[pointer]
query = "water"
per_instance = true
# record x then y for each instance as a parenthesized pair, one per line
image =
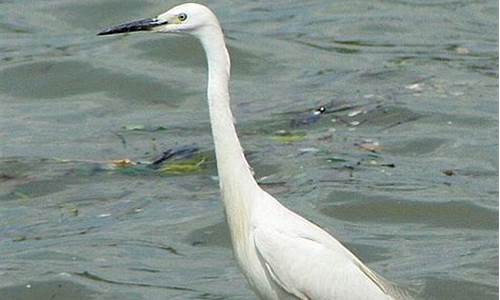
(414, 81)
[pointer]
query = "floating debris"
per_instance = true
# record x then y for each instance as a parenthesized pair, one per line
(343, 107)
(308, 150)
(312, 118)
(122, 163)
(314, 115)
(449, 172)
(134, 127)
(184, 167)
(335, 159)
(462, 50)
(182, 152)
(72, 210)
(139, 167)
(286, 137)
(140, 127)
(369, 145)
(355, 113)
(416, 87)
(320, 110)
(388, 165)
(374, 162)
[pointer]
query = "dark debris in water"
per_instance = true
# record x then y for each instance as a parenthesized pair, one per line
(370, 111)
(6, 177)
(449, 172)
(143, 243)
(180, 160)
(140, 127)
(50, 236)
(336, 159)
(353, 163)
(94, 277)
(183, 152)
(310, 118)
(177, 160)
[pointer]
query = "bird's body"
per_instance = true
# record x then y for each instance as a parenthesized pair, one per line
(282, 255)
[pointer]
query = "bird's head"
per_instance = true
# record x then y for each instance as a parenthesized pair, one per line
(190, 18)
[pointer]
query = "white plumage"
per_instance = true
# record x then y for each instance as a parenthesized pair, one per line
(282, 255)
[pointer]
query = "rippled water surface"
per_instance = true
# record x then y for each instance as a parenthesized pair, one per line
(402, 167)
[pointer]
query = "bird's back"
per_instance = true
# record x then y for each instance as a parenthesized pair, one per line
(307, 262)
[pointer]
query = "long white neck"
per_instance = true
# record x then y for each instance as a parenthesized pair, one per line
(235, 176)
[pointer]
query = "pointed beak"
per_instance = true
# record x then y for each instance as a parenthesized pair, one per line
(140, 25)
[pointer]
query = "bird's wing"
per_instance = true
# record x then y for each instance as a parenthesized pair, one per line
(309, 268)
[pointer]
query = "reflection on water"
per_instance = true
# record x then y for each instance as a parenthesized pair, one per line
(401, 166)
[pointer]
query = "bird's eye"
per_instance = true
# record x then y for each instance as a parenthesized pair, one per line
(182, 17)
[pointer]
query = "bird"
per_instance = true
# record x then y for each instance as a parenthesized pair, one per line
(281, 254)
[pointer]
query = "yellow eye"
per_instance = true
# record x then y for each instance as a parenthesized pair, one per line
(182, 17)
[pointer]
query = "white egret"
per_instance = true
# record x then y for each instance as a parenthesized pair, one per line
(281, 254)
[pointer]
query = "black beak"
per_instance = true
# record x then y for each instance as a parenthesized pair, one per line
(140, 25)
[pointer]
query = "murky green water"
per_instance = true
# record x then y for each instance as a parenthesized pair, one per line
(402, 167)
